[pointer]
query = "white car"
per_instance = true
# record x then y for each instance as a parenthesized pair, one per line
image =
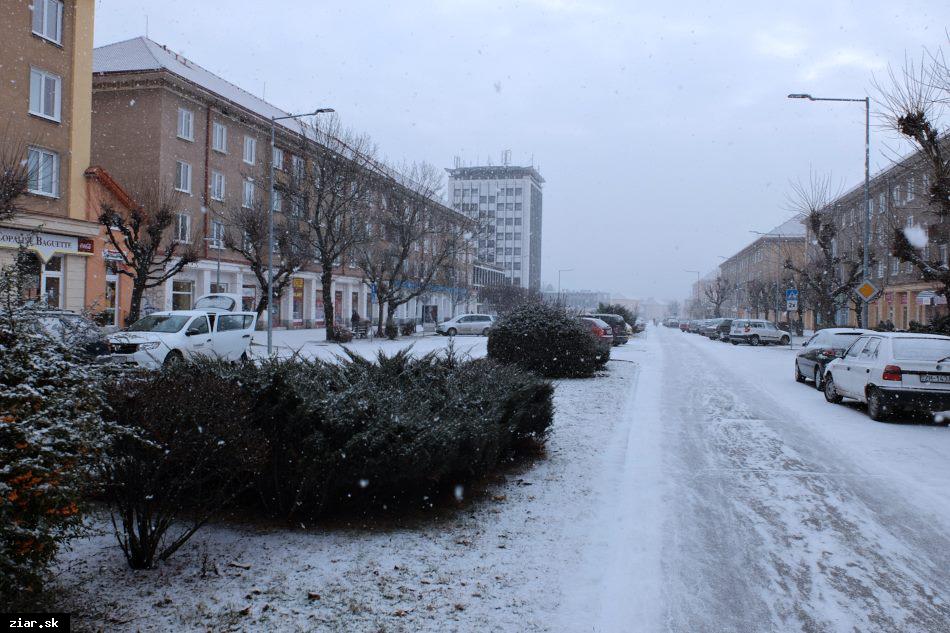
(163, 338)
(756, 331)
(892, 371)
(466, 324)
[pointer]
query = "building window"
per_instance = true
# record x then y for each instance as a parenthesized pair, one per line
(186, 124)
(45, 94)
(248, 199)
(910, 220)
(880, 269)
(895, 266)
(219, 137)
(517, 250)
(182, 227)
(910, 189)
(250, 150)
(217, 186)
(278, 158)
(275, 200)
(297, 164)
(517, 191)
(48, 20)
(182, 292)
(217, 234)
(51, 280)
(43, 168)
(943, 255)
(182, 176)
(881, 202)
(896, 193)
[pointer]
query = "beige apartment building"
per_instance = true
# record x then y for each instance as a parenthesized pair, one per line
(46, 74)
(159, 117)
(898, 199)
(761, 266)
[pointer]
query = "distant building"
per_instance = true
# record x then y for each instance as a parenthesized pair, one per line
(507, 202)
(581, 300)
(653, 309)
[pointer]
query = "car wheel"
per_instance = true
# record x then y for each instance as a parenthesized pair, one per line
(451, 332)
(754, 340)
(818, 384)
(173, 359)
(734, 342)
(799, 377)
(877, 411)
(784, 341)
(485, 332)
(831, 392)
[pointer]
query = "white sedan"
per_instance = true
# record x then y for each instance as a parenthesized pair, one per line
(893, 371)
(163, 338)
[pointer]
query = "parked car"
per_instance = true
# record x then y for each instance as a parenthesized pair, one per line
(163, 338)
(466, 324)
(723, 329)
(601, 331)
(822, 348)
(617, 325)
(694, 326)
(710, 328)
(684, 326)
(892, 371)
(75, 331)
(755, 332)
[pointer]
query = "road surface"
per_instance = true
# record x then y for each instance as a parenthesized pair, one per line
(740, 500)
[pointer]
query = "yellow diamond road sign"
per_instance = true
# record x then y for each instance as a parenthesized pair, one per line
(866, 291)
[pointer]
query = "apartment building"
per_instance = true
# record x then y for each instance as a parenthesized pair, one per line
(757, 275)
(507, 203)
(159, 117)
(46, 74)
(898, 199)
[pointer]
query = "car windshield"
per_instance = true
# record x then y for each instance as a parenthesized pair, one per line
(166, 323)
(926, 349)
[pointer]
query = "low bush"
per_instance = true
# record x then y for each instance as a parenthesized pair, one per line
(545, 339)
(342, 334)
(191, 450)
(308, 437)
(49, 429)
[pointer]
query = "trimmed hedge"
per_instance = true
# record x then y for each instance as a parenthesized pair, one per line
(545, 339)
(328, 434)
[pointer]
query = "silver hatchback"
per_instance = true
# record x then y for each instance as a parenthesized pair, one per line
(466, 324)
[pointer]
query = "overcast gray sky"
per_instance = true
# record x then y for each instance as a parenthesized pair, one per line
(663, 133)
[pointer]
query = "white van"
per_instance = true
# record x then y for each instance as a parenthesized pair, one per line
(163, 338)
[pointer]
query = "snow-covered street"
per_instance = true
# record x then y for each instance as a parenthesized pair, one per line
(741, 501)
(695, 487)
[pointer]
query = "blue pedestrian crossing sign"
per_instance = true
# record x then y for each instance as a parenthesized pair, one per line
(791, 294)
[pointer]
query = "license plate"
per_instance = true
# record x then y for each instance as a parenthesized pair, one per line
(941, 378)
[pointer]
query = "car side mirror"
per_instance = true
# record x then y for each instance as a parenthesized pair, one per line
(192, 332)
(804, 343)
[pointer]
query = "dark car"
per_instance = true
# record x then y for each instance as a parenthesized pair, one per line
(822, 348)
(601, 331)
(617, 325)
(709, 328)
(74, 331)
(723, 329)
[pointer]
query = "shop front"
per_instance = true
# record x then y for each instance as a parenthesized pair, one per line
(54, 264)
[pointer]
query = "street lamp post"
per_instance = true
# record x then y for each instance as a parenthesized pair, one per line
(867, 183)
(270, 220)
(562, 270)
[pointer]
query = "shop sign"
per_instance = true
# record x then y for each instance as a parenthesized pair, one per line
(46, 244)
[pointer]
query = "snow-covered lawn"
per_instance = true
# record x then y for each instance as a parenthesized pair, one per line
(496, 562)
(313, 344)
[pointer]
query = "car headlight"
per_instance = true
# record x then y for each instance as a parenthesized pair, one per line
(151, 345)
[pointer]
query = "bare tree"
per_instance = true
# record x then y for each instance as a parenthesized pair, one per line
(247, 233)
(417, 241)
(332, 189)
(716, 293)
(828, 276)
(912, 100)
(14, 175)
(506, 297)
(143, 237)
